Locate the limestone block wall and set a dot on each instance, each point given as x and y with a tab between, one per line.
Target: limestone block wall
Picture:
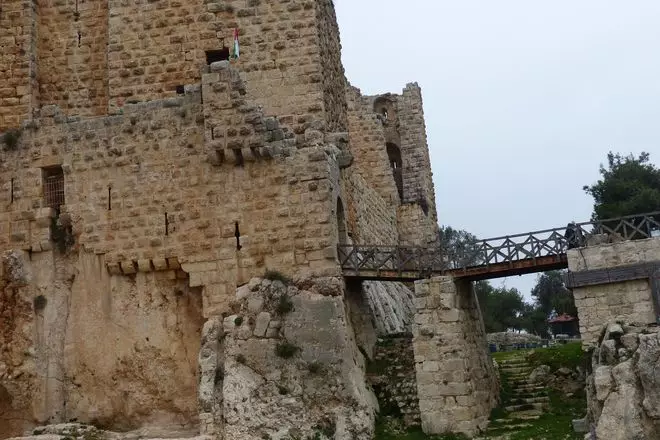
415	227
142	189
334	81
367	144
17	39
154	49
80	344
94	57
371	220
72	55
392	375
456	382
630	301
417	174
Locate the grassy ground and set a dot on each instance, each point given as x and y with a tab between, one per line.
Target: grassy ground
391	430
568	355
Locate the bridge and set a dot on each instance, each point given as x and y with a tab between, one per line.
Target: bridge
519	254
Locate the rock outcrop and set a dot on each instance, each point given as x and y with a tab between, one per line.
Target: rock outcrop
266	374
392	306
624	387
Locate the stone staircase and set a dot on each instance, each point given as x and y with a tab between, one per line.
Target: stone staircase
526	402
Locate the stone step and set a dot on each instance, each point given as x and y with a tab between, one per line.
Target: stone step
527	390
523	377
527	395
513	361
513	368
526	407
521	401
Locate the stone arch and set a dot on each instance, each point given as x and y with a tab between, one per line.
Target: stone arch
342	230
396	163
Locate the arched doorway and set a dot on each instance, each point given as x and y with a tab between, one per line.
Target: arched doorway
396	163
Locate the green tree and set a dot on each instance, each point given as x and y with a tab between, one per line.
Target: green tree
501	308
629	185
550	294
460	247
534	320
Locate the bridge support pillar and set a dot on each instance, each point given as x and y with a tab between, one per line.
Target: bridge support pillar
456	381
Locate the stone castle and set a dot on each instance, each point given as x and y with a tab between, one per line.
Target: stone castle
170	219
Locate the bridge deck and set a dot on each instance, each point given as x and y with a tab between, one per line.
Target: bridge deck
520	254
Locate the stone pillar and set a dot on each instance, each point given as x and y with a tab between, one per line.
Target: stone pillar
614	282
456	381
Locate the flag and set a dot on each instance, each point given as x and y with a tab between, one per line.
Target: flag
236	51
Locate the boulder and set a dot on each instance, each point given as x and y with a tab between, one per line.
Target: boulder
648	367
539	375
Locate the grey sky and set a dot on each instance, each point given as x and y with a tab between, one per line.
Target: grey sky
522	99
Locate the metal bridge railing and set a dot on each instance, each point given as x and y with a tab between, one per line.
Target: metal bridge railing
497	250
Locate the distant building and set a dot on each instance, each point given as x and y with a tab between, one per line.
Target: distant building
564	325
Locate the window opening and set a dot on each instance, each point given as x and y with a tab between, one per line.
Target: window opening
396	163
53	182
213	56
237	233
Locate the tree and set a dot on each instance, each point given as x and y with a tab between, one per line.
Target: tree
629	185
501	308
534	320
550	294
460	247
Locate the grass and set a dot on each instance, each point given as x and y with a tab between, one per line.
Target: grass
555	424
568	355
391	430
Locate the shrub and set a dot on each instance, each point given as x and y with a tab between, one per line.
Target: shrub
241	359
238	321
282	390
286	350
275	275
315	367
284	305
11	139
61	235
39	303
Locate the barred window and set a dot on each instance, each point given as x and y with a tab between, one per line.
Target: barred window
53	181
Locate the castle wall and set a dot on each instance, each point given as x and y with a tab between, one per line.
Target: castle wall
371	220
415	227
367	144
417	175
154	49
17	37
72	55
629	301
456	380
114	351
334	81
154	160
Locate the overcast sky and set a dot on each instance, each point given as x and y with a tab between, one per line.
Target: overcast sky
522	99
